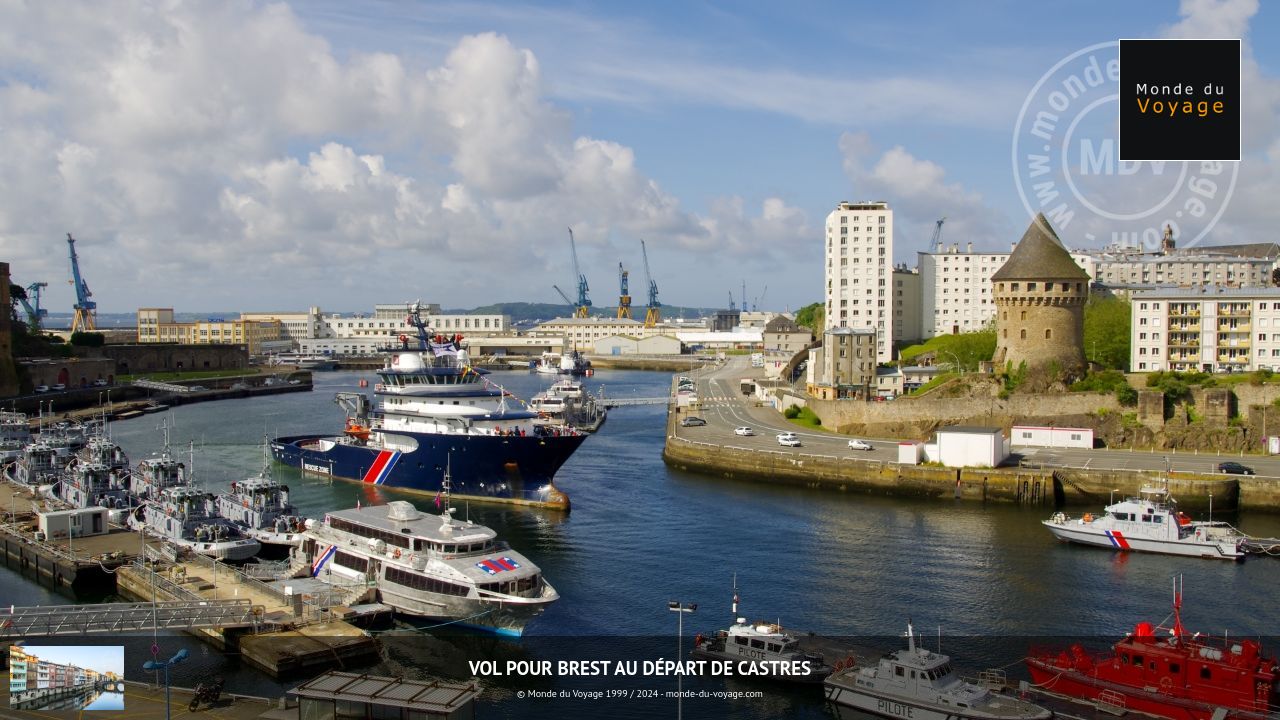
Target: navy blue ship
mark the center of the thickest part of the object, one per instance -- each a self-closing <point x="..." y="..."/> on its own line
<point x="432" y="406"/>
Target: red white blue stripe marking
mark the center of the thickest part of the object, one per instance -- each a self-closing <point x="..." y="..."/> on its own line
<point x="1117" y="540"/>
<point x="381" y="467"/>
<point x="323" y="558"/>
<point x="494" y="566"/>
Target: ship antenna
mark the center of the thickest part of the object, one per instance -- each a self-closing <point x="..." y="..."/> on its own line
<point x="1178" y="630"/>
<point x="735" y="595"/>
<point x="446" y="484"/>
<point x="911" y="637"/>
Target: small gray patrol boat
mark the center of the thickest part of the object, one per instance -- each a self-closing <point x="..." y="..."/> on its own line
<point x="920" y="685"/>
<point x="771" y="651"/>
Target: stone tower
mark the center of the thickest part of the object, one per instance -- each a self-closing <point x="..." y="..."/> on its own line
<point x="1039" y="295"/>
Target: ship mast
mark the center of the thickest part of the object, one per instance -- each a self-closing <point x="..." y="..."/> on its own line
<point x="1178" y="630"/>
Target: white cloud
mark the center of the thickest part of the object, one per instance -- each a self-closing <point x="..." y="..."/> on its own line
<point x="221" y="156"/>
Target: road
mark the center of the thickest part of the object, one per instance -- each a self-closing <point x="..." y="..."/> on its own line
<point x="724" y="407"/>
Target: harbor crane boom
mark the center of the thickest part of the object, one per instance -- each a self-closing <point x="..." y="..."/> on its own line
<point x="86" y="310"/>
<point x="31" y="304"/>
<point x="937" y="233"/>
<point x="567" y="301"/>
<point x="624" y="294"/>
<point x="584" y="300"/>
<point x="653" y="313"/>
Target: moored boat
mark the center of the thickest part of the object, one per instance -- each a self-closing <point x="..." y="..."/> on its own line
<point x="1166" y="672"/>
<point x="180" y="515"/>
<point x="922" y="685"/>
<point x="429" y="566"/>
<point x="260" y="508"/>
<point x="430" y="404"/>
<point x="1150" y="522"/>
<point x="761" y="649"/>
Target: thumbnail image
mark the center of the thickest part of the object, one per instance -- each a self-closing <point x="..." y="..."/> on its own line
<point x="66" y="677"/>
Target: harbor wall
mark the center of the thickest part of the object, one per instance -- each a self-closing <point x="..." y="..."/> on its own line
<point x="1031" y="486"/>
<point x="918" y="417"/>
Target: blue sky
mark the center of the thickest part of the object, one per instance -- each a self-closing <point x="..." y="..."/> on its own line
<point x="251" y="156"/>
<point x="103" y="658"/>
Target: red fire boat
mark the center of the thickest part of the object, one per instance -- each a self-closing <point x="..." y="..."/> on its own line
<point x="1166" y="672"/>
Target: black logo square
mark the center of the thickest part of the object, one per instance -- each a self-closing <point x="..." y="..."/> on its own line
<point x="1179" y="100"/>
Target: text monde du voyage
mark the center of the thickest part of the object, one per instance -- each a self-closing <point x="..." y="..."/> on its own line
<point x="1178" y="100"/>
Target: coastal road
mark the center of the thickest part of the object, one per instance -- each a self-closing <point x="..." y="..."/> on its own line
<point x="724" y="407"/>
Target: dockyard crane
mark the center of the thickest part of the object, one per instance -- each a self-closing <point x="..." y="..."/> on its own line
<point x="584" y="300"/>
<point x="732" y="307"/>
<point x="755" y="304"/>
<point x="31" y="304"/>
<point x="624" y="294"/>
<point x="567" y="301"/>
<point x="937" y="234"/>
<point x="86" y="317"/>
<point x="652" y="314"/>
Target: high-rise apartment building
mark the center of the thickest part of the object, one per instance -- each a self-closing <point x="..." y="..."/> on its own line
<point x="859" y="271"/>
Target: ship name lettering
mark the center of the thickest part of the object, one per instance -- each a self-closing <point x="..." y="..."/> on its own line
<point x="315" y="468"/>
<point x="894" y="708"/>
<point x="746" y="652"/>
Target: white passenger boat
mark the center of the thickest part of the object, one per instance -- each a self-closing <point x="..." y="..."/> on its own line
<point x="1150" y="522"/>
<point x="921" y="685"/>
<point x="430" y="566"/>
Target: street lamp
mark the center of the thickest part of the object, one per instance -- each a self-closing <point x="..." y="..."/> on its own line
<point x="165" y="665"/>
<point x="955" y="357"/>
<point x="680" y="609"/>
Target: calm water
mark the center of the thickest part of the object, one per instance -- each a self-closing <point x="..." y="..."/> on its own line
<point x="107" y="701"/>
<point x="641" y="535"/>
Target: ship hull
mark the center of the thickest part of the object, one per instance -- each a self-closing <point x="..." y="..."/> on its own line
<point x="483" y="467"/>
<point x="1086" y="688"/>
<point x="842" y="692"/>
<point x="1113" y="540"/>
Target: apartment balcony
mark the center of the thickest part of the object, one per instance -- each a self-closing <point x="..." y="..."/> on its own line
<point x="1184" y="327"/>
<point x="1192" y="311"/>
<point x="1237" y="328"/>
<point x="1233" y="312"/>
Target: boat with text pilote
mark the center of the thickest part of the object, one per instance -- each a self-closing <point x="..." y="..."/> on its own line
<point x="918" y="684"/>
<point x="428" y="405"/>
<point x="428" y="566"/>
<point x="1150" y="522"/>
<point x="1167" y="672"/>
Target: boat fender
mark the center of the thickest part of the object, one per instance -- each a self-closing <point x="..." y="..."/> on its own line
<point x="404" y="338"/>
<point x="697" y="640"/>
<point x="848" y="661"/>
<point x="839" y="665"/>
<point x="396" y="554"/>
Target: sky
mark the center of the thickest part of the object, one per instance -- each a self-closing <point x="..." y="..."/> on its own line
<point x="103" y="658"/>
<point x="243" y="155"/>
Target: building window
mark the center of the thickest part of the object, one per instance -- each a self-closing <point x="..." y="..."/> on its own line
<point x="1024" y="334"/>
<point x="1048" y="334"/>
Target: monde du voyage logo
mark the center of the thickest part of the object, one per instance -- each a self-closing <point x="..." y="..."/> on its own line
<point x="1121" y="139"/>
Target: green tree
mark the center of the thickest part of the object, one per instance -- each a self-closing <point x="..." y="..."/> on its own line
<point x="1106" y="331"/>
<point x="812" y="316"/>
<point x="966" y="349"/>
<point x="88" y="339"/>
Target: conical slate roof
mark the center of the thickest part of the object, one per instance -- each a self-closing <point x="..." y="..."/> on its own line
<point x="1040" y="256"/>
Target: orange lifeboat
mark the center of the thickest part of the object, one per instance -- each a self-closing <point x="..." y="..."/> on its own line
<point x="356" y="430"/>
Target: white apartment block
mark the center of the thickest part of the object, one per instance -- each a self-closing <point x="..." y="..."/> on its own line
<point x="1184" y="270"/>
<point x="859" y="269"/>
<point x="955" y="288"/>
<point x="1211" y="329"/>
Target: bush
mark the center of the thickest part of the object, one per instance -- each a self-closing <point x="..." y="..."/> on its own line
<point x="791" y="413"/>
<point x="88" y="339"/>
<point x="1104" y="381"/>
<point x="1126" y="395"/>
<point x="1260" y="376"/>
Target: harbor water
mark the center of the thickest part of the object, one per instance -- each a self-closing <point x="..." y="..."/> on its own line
<point x="641" y="535"/>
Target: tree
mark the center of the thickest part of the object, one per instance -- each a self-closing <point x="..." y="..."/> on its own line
<point x="88" y="339"/>
<point x="1106" y="331"/>
<point x="812" y="316"/>
<point x="1275" y="276"/>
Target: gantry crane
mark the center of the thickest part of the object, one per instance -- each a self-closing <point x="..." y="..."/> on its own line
<point x="652" y="313"/>
<point x="624" y="294"/>
<point x="86" y="317"/>
<point x="584" y="300"/>
<point x="35" y="313"/>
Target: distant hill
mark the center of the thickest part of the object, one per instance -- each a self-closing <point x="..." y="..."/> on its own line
<point x="529" y="312"/>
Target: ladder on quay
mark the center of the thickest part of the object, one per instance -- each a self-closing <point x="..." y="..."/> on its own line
<point x="126" y="617"/>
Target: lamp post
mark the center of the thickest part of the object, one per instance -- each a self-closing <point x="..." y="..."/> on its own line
<point x="955" y="357"/>
<point x="165" y="665"/>
<point x="680" y="609"/>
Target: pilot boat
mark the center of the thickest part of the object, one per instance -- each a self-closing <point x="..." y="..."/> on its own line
<point x="180" y="515"/>
<point x="761" y="649"/>
<point x="922" y="685"/>
<point x="259" y="507"/>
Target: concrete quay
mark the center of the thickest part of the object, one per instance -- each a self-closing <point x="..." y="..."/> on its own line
<point x="1041" y="477"/>
<point x="147" y="702"/>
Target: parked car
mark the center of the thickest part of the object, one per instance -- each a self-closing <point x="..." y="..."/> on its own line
<point x="99" y="383"/>
<point x="1235" y="468"/>
<point x="42" y="388"/>
<point x="856" y="444"/>
<point x="693" y="422"/>
<point x="789" y="441"/>
<point x="744" y="431"/>
<point x="59" y="387"/>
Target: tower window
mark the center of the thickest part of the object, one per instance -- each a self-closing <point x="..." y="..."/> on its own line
<point x="1048" y="334"/>
<point x="1024" y="334"/>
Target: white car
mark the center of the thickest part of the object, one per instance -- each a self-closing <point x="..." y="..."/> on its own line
<point x="860" y="445"/>
<point x="789" y="441"/>
<point x="744" y="431"/>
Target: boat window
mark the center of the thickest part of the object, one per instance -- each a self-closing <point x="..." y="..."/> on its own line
<point x="897" y="670"/>
<point x="422" y="582"/>
<point x="1158" y="519"/>
<point x="1175" y="667"/>
<point x="1152" y="665"/>
<point x="913" y="675"/>
<point x="740" y="640"/>
<point x="1137" y="660"/>
<point x="774" y="648"/>
<point x="358" y="564"/>
<point x="1146" y="518"/>
<point x="1205" y="672"/>
<point x="1120" y="515"/>
<point x="758" y="644"/>
<point x="961" y="704"/>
